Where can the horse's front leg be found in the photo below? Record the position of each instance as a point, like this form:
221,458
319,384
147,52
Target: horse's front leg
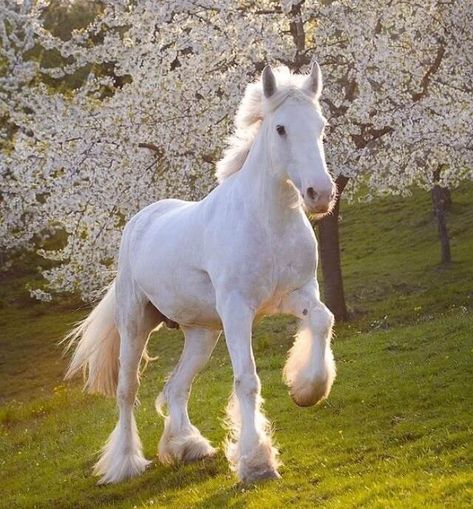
248,448
310,368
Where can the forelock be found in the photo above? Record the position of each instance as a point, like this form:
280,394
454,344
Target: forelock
251,112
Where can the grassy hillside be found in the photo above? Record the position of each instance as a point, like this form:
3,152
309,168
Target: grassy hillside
396,431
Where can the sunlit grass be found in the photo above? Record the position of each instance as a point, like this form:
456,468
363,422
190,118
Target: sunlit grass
396,431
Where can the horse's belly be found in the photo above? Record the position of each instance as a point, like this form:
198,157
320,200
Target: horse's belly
190,312
188,301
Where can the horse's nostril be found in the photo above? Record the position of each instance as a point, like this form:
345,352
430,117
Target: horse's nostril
311,193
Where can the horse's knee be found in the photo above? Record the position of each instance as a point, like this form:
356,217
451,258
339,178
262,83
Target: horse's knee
322,318
247,385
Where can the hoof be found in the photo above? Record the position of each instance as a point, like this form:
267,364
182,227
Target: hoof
121,457
308,392
308,395
185,449
198,452
260,465
264,475
124,468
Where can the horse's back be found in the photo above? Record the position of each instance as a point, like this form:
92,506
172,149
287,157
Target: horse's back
158,209
144,232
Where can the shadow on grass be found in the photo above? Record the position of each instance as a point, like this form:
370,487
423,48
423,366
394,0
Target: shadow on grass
220,497
159,484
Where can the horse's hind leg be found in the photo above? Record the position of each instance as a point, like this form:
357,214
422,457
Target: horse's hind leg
122,455
181,441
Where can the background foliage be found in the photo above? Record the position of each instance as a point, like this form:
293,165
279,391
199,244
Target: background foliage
109,106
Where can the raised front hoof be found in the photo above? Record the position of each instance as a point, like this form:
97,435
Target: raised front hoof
306,399
122,469
310,393
185,450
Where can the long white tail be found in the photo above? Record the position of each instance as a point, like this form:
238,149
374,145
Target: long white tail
97,347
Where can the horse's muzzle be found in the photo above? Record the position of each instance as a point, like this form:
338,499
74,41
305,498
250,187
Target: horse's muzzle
319,202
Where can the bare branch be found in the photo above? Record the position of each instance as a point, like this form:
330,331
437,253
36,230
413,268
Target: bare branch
427,76
151,146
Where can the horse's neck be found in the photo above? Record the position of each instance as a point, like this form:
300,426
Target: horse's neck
271,197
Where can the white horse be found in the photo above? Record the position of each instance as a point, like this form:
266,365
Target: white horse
244,251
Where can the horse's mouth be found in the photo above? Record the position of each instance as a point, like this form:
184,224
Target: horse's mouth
318,212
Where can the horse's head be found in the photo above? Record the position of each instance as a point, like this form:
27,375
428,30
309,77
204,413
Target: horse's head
295,127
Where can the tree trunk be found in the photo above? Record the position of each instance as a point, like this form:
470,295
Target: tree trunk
440,205
441,201
329,240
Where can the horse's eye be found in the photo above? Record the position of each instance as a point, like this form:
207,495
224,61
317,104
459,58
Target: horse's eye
281,130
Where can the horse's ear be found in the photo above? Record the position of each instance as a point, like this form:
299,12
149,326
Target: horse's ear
314,80
269,82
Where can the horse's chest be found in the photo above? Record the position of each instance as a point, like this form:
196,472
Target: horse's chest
295,261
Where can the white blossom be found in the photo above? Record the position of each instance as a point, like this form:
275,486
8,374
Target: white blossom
162,83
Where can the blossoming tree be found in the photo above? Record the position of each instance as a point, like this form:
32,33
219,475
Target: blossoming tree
160,83
398,89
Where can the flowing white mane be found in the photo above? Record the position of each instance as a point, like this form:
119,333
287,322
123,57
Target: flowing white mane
250,114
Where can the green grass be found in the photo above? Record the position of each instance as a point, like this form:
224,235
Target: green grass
396,431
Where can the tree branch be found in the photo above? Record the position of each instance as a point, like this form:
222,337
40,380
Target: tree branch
427,76
296,29
151,146
369,135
